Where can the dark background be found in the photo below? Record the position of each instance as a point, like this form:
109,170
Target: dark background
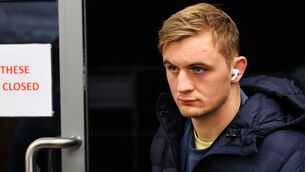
271,32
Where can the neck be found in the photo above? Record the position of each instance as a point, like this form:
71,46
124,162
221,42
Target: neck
209,126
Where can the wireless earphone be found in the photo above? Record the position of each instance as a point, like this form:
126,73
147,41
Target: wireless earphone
235,72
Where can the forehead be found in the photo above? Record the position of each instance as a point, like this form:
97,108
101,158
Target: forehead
199,48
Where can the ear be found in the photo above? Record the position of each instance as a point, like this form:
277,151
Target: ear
239,63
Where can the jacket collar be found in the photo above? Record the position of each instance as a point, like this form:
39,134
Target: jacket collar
172,123
170,117
239,137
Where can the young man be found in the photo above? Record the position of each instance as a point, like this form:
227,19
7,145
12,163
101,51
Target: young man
209,123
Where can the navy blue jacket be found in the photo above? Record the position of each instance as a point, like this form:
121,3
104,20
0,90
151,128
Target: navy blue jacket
267,134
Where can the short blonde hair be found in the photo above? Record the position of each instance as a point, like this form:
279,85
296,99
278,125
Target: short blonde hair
199,18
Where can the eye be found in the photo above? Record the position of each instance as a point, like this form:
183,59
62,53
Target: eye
173,68
197,69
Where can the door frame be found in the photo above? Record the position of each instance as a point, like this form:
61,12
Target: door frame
73,94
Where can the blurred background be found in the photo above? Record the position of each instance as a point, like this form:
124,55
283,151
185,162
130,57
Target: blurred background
125,71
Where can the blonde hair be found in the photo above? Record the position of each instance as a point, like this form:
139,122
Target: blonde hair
200,18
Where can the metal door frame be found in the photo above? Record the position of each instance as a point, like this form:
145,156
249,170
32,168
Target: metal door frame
73,82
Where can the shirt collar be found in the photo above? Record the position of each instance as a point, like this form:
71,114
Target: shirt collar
243,96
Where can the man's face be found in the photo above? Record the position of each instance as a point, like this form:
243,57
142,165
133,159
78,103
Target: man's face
198,75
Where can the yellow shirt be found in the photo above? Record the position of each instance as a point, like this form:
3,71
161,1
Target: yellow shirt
200,144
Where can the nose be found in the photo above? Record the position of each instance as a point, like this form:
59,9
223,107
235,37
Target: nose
184,82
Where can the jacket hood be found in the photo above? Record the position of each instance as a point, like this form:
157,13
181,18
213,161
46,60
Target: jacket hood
273,104
277,88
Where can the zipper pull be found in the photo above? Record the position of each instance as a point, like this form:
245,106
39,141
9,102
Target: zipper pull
232,135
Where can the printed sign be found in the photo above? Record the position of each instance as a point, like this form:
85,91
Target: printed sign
25,80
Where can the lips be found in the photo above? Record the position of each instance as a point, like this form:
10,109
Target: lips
187,101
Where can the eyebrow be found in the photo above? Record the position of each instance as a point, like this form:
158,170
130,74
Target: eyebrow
166,61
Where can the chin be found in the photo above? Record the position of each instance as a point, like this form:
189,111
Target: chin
191,112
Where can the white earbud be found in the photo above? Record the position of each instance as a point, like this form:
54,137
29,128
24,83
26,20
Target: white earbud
235,72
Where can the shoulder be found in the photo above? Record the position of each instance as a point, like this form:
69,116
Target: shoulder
290,136
284,142
288,146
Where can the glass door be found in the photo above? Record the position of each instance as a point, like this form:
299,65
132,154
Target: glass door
38,138
29,24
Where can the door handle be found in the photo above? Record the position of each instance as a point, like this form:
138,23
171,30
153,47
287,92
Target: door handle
47,142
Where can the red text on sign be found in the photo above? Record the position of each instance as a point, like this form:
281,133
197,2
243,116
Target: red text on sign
14,69
20,86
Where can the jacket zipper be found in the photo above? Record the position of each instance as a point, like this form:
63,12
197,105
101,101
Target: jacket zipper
164,157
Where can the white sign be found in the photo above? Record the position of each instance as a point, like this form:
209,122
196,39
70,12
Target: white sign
25,80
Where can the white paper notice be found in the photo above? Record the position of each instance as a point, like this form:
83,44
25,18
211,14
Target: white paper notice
25,80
